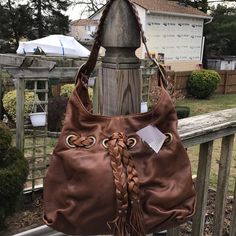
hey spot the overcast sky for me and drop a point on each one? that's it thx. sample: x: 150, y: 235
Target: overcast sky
x: 74, y: 13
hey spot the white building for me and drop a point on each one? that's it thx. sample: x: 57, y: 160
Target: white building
x: 222, y: 63
x: 83, y: 29
x: 172, y: 29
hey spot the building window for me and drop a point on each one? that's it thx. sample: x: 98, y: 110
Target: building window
x: 88, y: 28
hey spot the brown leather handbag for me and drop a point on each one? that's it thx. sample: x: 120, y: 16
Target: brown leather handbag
x: 103, y: 179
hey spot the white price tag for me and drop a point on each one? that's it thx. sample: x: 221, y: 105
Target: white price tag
x: 152, y: 136
x: 144, y: 107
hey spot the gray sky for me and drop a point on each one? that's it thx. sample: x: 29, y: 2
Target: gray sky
x: 74, y: 12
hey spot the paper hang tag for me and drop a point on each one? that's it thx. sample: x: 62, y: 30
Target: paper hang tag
x: 144, y: 107
x: 152, y: 136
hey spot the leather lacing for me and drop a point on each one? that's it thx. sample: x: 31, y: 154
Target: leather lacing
x: 80, y: 141
x: 129, y: 218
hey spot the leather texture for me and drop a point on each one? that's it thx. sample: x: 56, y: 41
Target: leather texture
x: 79, y: 189
x: 103, y: 179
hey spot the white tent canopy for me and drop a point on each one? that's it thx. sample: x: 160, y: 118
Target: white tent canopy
x: 59, y: 45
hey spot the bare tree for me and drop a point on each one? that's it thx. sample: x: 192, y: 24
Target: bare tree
x: 88, y: 7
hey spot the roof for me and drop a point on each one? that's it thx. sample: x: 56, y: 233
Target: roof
x: 84, y: 22
x: 169, y: 6
x: 165, y: 6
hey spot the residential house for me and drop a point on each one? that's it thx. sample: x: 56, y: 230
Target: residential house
x: 83, y: 29
x: 222, y: 63
x: 173, y: 30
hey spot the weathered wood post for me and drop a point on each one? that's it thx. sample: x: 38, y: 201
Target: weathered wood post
x: 120, y: 75
x: 20, y: 111
x: 1, y: 94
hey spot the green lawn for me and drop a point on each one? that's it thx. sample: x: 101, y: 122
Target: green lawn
x: 197, y: 107
x: 215, y: 103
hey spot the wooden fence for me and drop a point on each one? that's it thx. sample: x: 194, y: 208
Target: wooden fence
x: 227, y: 84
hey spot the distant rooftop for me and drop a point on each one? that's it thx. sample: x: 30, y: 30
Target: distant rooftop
x: 166, y: 6
x: 84, y: 22
x: 169, y: 6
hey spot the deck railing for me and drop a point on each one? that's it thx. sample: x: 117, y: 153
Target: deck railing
x: 201, y: 130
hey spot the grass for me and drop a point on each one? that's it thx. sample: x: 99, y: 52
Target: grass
x: 197, y: 107
x: 215, y: 103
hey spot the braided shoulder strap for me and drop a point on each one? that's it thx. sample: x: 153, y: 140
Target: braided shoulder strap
x: 86, y: 69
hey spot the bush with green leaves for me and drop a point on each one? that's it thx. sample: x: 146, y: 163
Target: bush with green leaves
x: 14, y: 170
x: 202, y: 83
x: 67, y: 89
x: 9, y: 103
x: 5, y: 139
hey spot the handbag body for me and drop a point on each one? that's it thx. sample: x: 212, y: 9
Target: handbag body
x: 104, y: 179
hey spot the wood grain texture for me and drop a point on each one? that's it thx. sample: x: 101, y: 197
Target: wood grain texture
x: 25, y: 61
x: 222, y: 185
x: 1, y: 93
x: 20, y: 111
x: 120, y: 27
x: 233, y: 218
x: 202, y: 185
x: 119, y: 91
x: 206, y: 124
x: 43, y: 72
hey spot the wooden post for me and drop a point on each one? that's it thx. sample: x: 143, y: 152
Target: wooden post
x: 120, y: 75
x: 203, y: 173
x: 222, y: 185
x: 233, y: 218
x: 1, y: 94
x: 20, y: 111
x: 226, y: 82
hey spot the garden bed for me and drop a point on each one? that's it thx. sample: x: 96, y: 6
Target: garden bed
x: 30, y: 216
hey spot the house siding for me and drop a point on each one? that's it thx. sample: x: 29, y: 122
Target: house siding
x: 179, y: 38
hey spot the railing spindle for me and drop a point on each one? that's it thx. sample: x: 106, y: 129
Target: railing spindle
x: 222, y: 185
x: 202, y: 185
x: 233, y: 218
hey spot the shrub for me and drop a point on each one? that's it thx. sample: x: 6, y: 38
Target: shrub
x: 5, y: 139
x: 182, y: 111
x: 9, y: 103
x: 13, y: 173
x: 202, y: 83
x: 56, y: 111
x: 67, y: 89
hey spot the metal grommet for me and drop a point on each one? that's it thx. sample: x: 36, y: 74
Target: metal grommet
x: 169, y: 138
x: 92, y: 144
x: 68, y: 141
x: 104, y: 143
x: 132, y: 142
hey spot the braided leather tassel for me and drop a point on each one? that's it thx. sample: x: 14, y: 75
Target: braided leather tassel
x: 121, y: 226
x: 136, y: 219
x: 127, y: 188
x: 115, y: 146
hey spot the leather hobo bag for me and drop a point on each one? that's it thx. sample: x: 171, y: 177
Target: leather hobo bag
x: 103, y: 179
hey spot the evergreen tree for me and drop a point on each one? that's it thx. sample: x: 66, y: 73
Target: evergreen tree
x: 15, y: 22
x: 34, y: 19
x: 221, y: 37
x: 49, y: 18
